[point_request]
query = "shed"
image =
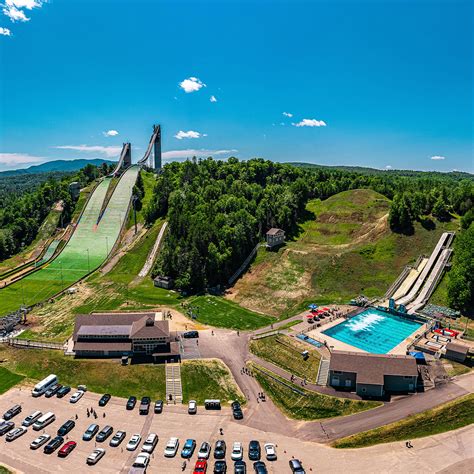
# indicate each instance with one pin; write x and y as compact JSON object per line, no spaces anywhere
{"x":456,"y":352}
{"x":275,"y":237}
{"x":165,"y":282}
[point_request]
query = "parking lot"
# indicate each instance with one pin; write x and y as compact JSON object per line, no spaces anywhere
{"x":174,"y":421}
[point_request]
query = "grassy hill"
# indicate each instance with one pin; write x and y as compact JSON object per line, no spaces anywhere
{"x":344,"y":248}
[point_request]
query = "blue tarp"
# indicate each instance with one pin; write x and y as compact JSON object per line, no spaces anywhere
{"x":417,"y":355}
{"x":313,"y":306}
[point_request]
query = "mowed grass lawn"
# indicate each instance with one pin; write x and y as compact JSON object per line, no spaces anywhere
{"x":446,"y":417}
{"x":219,"y":312}
{"x":8,"y":379}
{"x":285,"y":352}
{"x":208,"y":379}
{"x":310,"y":406}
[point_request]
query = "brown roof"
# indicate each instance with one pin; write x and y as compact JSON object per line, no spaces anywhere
{"x":140,"y":329}
{"x":458,"y":348}
{"x":274,"y":231}
{"x":371,"y":368}
{"x":103,"y":346}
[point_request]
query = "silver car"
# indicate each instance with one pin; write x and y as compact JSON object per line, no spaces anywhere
{"x":39,"y":441}
{"x":95,"y":456}
{"x":16,"y":433}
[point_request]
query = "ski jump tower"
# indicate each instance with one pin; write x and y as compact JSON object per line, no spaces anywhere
{"x":157,"y":147}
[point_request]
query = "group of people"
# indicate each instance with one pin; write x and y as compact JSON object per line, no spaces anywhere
{"x":93,"y":413}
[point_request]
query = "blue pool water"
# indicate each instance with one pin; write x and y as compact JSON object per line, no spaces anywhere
{"x":308,"y":339}
{"x":373,"y":331}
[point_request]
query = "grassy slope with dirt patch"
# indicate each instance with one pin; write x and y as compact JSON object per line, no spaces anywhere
{"x":8,"y":379}
{"x":313,"y":406}
{"x":149,"y":179}
{"x":208,"y":379}
{"x":286,"y":353}
{"x":345,"y":248}
{"x":447,"y":417}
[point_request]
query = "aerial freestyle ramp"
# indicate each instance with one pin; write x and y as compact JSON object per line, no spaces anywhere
{"x":152,"y":156}
{"x":125,"y":160}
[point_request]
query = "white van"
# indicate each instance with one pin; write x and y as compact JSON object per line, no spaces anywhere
{"x":42,"y":386}
{"x":44,"y":421}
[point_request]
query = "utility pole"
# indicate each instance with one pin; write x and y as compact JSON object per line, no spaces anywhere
{"x":134,"y":201}
{"x":62,"y":278}
{"x":88,"y":262}
{"x":107,"y":245}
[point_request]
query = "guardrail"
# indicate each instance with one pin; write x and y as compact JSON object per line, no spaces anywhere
{"x":15,"y":342}
{"x":276,"y":379}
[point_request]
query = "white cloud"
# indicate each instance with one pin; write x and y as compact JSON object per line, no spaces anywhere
{"x":15,"y":159}
{"x":14,"y":14}
{"x":108,"y":151}
{"x":189,"y":134}
{"x":28,"y":4}
{"x":213,"y":98}
{"x":287,"y":114}
{"x":13,"y":9}
{"x":189,"y":153}
{"x":388,"y":167}
{"x":191,"y":84}
{"x":310,"y":123}
{"x":437,"y":157}
{"x":110,"y":133}
{"x":5,"y":32}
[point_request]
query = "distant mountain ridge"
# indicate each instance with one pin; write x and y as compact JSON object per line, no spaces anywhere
{"x":56,"y":165}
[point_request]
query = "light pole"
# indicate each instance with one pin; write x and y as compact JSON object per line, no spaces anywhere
{"x":62,"y":278}
{"x":88,"y":262}
{"x":107,"y":245}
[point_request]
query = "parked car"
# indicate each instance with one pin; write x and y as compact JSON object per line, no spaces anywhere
{"x":82,"y":388}
{"x":254,"y":450}
{"x":133,"y":442}
{"x":66,"y":427}
{"x":16,"y":433}
{"x":76,"y":396}
{"x":171,"y":447}
{"x":260,"y":467}
{"x":95,"y":456}
{"x":66,"y":449}
{"x":150,"y":443}
{"x":6,"y":426}
{"x":39,"y":441}
{"x":104,"y":399}
{"x":270,"y":451}
{"x":131,"y":402}
{"x":240,"y":467}
{"x":237,"y":410}
{"x":30,"y":419}
{"x":53,"y":390}
{"x":144,"y":406}
{"x":200,"y":466}
{"x":219,"y":449}
{"x":192,"y":407}
{"x":63,"y":391}
{"x":204,"y":451}
{"x":53,"y":445}
{"x":158,"y":406}
{"x":188,"y":448}
{"x":118,"y":437}
{"x":237,"y":451}
{"x":13,"y":411}
{"x":90,"y":432}
{"x":104,"y":433}
{"x":142,"y":461}
{"x":220,"y":467}
{"x":296,"y":466}
{"x":190,"y":334}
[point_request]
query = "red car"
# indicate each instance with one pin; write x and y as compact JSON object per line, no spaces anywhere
{"x":66,"y":449}
{"x":200,"y":466}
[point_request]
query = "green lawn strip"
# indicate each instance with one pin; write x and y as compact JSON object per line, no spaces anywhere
{"x":219,"y":312}
{"x":311,"y":405}
{"x":284,"y":352}
{"x":100,"y":375}
{"x":4,"y":470}
{"x":454,"y":368}
{"x":208,"y":379}
{"x":8,"y":380}
{"x":446,"y":417}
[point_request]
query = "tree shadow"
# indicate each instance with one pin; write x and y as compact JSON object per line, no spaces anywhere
{"x":428,"y":223}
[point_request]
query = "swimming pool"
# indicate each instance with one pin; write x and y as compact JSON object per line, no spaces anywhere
{"x":373,"y":331}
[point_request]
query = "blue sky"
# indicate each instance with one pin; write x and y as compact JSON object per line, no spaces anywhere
{"x":370,"y":83}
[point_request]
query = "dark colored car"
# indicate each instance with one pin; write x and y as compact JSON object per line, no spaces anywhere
{"x":158,"y":406}
{"x":296,"y":466}
{"x":260,"y":468}
{"x":254,"y":450}
{"x":104,"y":433}
{"x":90,"y":432}
{"x":66,"y":449}
{"x":53,"y":390}
{"x":188,"y":448}
{"x":190,"y":334}
{"x":53,"y":445}
{"x":117,"y":438}
{"x":131,"y":402}
{"x":66,"y":427}
{"x":13,"y":411}
{"x":6,"y":427}
{"x":104,"y":399}
{"x":63,"y":391}
{"x":237,"y":410}
{"x":219,"y":449}
{"x":220,"y":467}
{"x":145,"y":405}
{"x":240,"y":467}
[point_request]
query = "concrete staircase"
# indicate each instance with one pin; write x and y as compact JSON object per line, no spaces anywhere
{"x":173,"y":383}
{"x":323,"y":372}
